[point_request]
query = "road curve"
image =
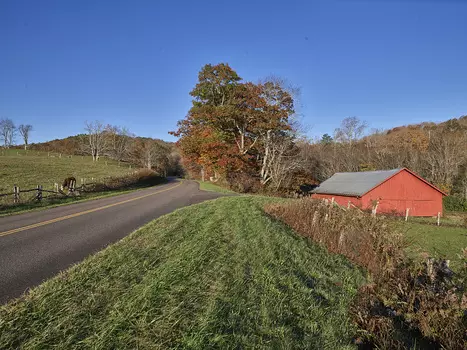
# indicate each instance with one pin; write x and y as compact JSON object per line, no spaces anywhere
{"x":35,"y":246}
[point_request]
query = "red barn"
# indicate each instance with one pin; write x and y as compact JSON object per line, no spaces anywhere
{"x":395,"y":191}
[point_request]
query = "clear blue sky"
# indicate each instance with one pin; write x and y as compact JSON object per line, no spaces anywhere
{"x":133,"y":63}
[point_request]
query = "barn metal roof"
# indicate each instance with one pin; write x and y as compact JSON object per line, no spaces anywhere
{"x":354,"y":184}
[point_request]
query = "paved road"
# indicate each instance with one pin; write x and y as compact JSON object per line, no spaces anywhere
{"x":36,"y":246}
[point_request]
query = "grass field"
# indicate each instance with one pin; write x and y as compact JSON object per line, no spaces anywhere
{"x":220,"y":274}
{"x":209,"y":186}
{"x":437,"y":241}
{"x":27,"y":169}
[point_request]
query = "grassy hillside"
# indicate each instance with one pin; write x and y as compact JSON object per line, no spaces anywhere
{"x":27,"y":169}
{"x":220,"y":274}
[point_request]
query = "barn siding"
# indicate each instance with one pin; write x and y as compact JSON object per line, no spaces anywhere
{"x":404,"y":191}
{"x":341,"y":200}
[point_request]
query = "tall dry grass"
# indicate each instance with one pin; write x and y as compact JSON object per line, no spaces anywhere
{"x":405,"y":304}
{"x":366,"y":241}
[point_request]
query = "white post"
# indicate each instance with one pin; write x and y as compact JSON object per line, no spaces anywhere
{"x":332,"y":201}
{"x":407,"y":214}
{"x":375,"y":208}
{"x":439,"y":215}
{"x":348,"y":205}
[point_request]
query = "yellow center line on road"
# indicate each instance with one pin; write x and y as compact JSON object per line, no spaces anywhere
{"x":66,"y":217}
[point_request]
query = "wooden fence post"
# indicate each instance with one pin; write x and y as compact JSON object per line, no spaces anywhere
{"x":407,"y":214}
{"x":439,"y":215}
{"x":56,"y":187}
{"x":39,"y":193}
{"x":16,"y":194}
{"x":348,"y":205}
{"x":71,"y":187}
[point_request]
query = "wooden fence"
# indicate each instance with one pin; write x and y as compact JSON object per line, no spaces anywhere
{"x":40,"y":193}
{"x":19,"y":195}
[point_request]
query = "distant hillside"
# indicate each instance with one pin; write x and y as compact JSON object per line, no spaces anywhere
{"x":462,"y":121}
{"x":155,"y":154}
{"x":74,"y":144}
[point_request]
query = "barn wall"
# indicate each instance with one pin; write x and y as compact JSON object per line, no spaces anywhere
{"x":341,"y":200}
{"x":404,"y":191}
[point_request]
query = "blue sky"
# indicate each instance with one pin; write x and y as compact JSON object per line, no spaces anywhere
{"x":133,"y":63}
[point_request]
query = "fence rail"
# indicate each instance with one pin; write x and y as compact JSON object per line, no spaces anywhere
{"x":72,"y":191}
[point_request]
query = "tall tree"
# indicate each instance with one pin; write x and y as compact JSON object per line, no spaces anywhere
{"x":232,"y":125}
{"x":326,"y":139}
{"x":24,"y":130}
{"x":350,"y":131}
{"x":96,"y":139}
{"x":118,"y":142}
{"x":7,"y":132}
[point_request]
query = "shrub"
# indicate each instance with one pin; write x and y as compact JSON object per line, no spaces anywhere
{"x":243,"y":182}
{"x":405,"y":304}
{"x":140,"y":178}
{"x":454,"y":203}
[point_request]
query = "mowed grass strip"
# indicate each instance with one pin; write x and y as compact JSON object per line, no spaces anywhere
{"x":212,"y":187}
{"x":220,"y":274}
{"x":27,"y":169}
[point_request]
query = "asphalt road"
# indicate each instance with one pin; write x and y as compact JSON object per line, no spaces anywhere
{"x":35,"y":246}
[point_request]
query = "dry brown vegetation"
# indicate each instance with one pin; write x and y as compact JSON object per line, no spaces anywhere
{"x":404,"y":304}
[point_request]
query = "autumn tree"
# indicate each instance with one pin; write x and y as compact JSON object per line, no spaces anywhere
{"x":234,"y":126}
{"x":207,"y":129}
{"x":24,"y":131}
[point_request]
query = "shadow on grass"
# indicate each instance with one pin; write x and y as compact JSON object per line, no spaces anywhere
{"x":90,"y":192}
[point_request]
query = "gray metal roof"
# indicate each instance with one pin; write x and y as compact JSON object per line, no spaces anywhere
{"x":354,"y":184}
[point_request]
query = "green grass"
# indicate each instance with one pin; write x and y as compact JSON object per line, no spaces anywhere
{"x":437,"y":241}
{"x":209,"y":186}
{"x":220,"y":274}
{"x":27,"y":169}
